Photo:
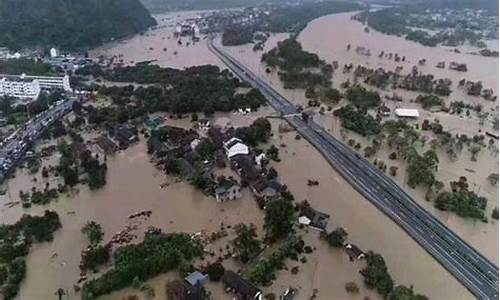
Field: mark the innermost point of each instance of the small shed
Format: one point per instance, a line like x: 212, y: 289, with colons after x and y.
x: 406, y: 113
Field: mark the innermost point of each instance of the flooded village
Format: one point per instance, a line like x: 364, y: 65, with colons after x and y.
x: 139, y: 196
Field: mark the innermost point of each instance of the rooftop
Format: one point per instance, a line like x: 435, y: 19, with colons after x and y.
x: 196, y: 278
x: 241, y: 287
x: 407, y: 112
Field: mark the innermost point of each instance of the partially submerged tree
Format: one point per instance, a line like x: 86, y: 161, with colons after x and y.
x: 493, y: 178
x: 93, y: 231
x: 279, y: 219
x: 246, y: 244
x: 337, y: 237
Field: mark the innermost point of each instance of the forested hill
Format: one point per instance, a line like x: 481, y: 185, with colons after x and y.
x: 69, y: 24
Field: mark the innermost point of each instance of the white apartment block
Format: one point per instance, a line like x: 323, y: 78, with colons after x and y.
x: 51, y: 82
x: 29, y: 87
x: 19, y: 88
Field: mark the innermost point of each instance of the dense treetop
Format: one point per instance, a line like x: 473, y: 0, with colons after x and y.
x: 289, y: 56
x: 24, y: 65
x: 196, y: 89
x: 69, y: 24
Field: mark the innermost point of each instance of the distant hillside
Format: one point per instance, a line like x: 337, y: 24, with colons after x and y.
x: 69, y: 24
x: 157, y: 6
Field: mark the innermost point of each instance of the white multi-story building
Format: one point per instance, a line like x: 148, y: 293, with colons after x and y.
x: 29, y: 87
x: 19, y: 88
x: 51, y: 82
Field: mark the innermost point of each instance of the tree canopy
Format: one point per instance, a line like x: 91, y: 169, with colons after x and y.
x: 279, y: 219
x: 69, y: 24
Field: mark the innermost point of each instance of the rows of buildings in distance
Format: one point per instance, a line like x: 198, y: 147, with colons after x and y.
x: 188, y: 28
x: 6, y: 54
x: 215, y: 21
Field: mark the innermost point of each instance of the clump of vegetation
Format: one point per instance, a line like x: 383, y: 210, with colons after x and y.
x: 204, y: 89
x: 93, y: 231
x: 279, y: 219
x: 358, y: 121
x: 273, y: 153
x: 457, y: 107
x: 237, y: 36
x: 414, y: 81
x: 421, y: 168
x: 352, y: 287
x: 258, y: 132
x: 157, y: 254
x: 15, y: 242
x: 493, y: 179
x: 245, y: 244
x: 362, y: 98
x: 494, y: 213
x: 337, y: 237
x: 376, y: 274
x: 299, y: 68
x: 428, y: 101
x: 289, y: 57
x: 24, y: 65
x: 403, y: 292
x: 95, y: 256
x: 263, y: 273
x: 72, y: 160
x: 215, y: 271
x: 39, y: 197
x: 463, y: 202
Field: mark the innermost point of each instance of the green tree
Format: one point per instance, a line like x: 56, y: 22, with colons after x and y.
x: 337, y: 237
x: 273, y: 153
x: 494, y: 213
x: 493, y: 179
x: 279, y: 219
x: 95, y: 256
x: 362, y: 98
x: 402, y: 292
x: 376, y: 275
x: 215, y: 271
x: 246, y: 244
x: 93, y: 231
x: 421, y: 169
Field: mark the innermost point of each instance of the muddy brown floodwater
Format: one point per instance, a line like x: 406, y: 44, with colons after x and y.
x: 133, y: 184
x: 160, y: 46
x: 328, y: 36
